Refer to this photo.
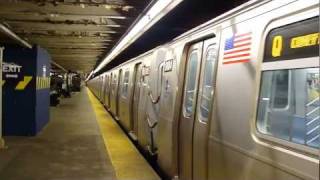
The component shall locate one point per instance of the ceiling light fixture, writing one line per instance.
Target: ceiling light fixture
(107, 6)
(153, 15)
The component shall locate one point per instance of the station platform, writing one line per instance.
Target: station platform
(81, 142)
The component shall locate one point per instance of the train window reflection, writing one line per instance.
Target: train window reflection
(207, 83)
(190, 89)
(298, 91)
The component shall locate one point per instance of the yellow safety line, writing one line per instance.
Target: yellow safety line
(126, 160)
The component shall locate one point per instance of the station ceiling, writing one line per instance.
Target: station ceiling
(75, 32)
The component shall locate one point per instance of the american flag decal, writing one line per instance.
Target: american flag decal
(237, 49)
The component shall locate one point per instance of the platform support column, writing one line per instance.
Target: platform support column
(2, 144)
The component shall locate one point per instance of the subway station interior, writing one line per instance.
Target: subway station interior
(159, 90)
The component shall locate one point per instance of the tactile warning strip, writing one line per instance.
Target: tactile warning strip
(128, 163)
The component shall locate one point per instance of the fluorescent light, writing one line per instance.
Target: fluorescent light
(115, 17)
(109, 25)
(154, 14)
(89, 76)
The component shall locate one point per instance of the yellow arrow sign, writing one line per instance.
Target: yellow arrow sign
(22, 84)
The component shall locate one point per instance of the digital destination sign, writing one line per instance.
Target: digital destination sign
(293, 41)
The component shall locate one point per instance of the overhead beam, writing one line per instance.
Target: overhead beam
(81, 31)
(80, 48)
(75, 55)
(74, 62)
(59, 66)
(111, 3)
(79, 21)
(54, 53)
(123, 20)
(65, 62)
(62, 25)
(27, 7)
(79, 65)
(75, 32)
(69, 39)
(69, 47)
(18, 16)
(75, 52)
(43, 34)
(8, 32)
(75, 43)
(93, 55)
(66, 41)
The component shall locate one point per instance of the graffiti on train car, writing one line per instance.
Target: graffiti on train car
(168, 65)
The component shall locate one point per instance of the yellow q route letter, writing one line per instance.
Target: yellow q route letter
(277, 46)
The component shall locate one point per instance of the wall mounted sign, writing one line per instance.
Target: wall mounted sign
(11, 70)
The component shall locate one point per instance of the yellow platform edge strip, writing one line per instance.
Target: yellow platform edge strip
(128, 163)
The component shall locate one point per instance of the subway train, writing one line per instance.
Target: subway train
(236, 98)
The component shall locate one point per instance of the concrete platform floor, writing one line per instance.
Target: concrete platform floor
(69, 148)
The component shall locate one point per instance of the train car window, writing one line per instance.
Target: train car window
(125, 85)
(299, 123)
(281, 91)
(208, 83)
(190, 89)
(289, 106)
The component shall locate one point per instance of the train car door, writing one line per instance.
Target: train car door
(106, 90)
(109, 90)
(103, 83)
(196, 110)
(136, 97)
(114, 92)
(118, 94)
(203, 109)
(188, 111)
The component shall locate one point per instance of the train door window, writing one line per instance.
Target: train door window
(289, 106)
(114, 84)
(281, 89)
(107, 83)
(125, 85)
(208, 82)
(191, 83)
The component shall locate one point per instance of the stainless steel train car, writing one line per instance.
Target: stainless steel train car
(236, 98)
